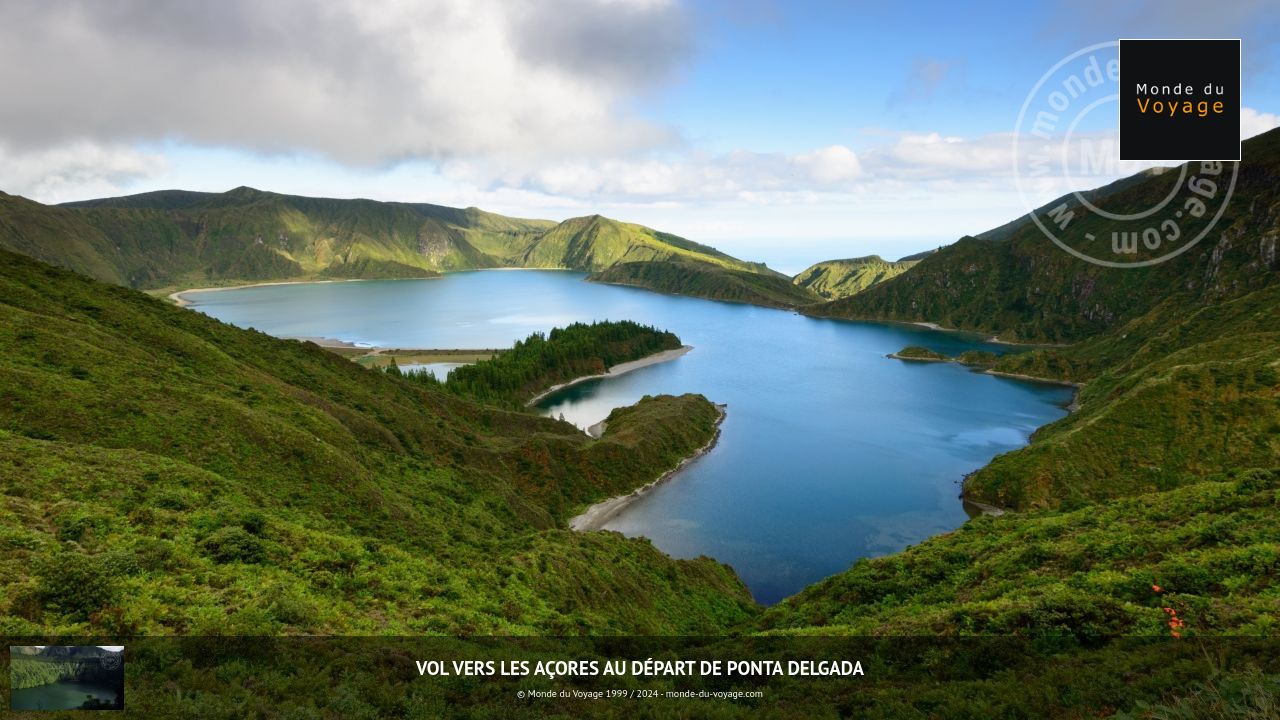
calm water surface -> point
(59, 696)
(830, 451)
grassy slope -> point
(178, 238)
(126, 246)
(916, 352)
(595, 243)
(1212, 547)
(1072, 626)
(1172, 397)
(1025, 288)
(1179, 360)
(705, 280)
(197, 478)
(217, 480)
(832, 279)
(1166, 475)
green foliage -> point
(210, 480)
(596, 243)
(1181, 395)
(1014, 283)
(708, 280)
(1179, 359)
(184, 239)
(978, 358)
(832, 279)
(916, 352)
(233, 544)
(1250, 695)
(174, 447)
(30, 672)
(540, 361)
(74, 584)
(31, 666)
(1085, 575)
(374, 268)
(1164, 477)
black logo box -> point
(1185, 67)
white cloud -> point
(830, 165)
(692, 177)
(76, 170)
(360, 82)
(932, 156)
(1253, 122)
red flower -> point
(1155, 588)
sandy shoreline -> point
(177, 297)
(594, 517)
(180, 301)
(616, 370)
(990, 338)
(1033, 378)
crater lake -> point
(829, 452)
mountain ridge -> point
(833, 279)
(179, 238)
(1012, 281)
(153, 453)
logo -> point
(1180, 99)
(1065, 146)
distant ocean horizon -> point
(793, 257)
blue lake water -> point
(830, 451)
(59, 696)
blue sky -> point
(788, 77)
(782, 131)
(803, 74)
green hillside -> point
(545, 360)
(595, 243)
(1167, 475)
(1146, 513)
(1168, 399)
(706, 280)
(1025, 288)
(1209, 546)
(1138, 605)
(917, 256)
(832, 279)
(1181, 361)
(918, 353)
(1174, 396)
(178, 238)
(165, 473)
